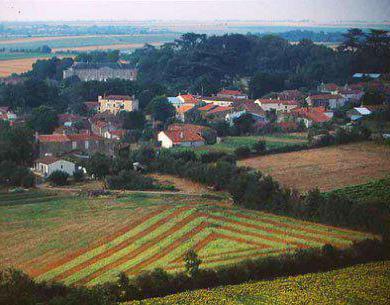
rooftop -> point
(47, 160)
(185, 135)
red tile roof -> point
(207, 107)
(67, 117)
(193, 127)
(220, 109)
(119, 132)
(184, 108)
(325, 96)
(84, 137)
(230, 92)
(317, 117)
(188, 98)
(179, 136)
(331, 87)
(283, 102)
(47, 160)
(53, 138)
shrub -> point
(242, 151)
(78, 175)
(58, 178)
(260, 146)
(130, 180)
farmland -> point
(326, 168)
(79, 240)
(361, 284)
(229, 144)
(87, 41)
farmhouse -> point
(187, 135)
(116, 103)
(331, 101)
(175, 101)
(310, 116)
(181, 111)
(101, 71)
(188, 99)
(277, 105)
(45, 166)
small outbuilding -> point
(47, 165)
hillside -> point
(361, 284)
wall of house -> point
(101, 74)
(61, 165)
(165, 141)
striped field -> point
(159, 239)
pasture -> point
(86, 241)
(327, 168)
(229, 144)
(360, 284)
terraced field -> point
(361, 284)
(89, 241)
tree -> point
(244, 123)
(373, 97)
(43, 119)
(192, 262)
(161, 109)
(78, 175)
(263, 83)
(352, 39)
(132, 120)
(260, 146)
(58, 178)
(98, 165)
(16, 144)
(45, 49)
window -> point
(74, 144)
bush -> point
(242, 152)
(13, 175)
(260, 146)
(58, 178)
(78, 175)
(130, 180)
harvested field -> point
(128, 46)
(327, 168)
(7, 67)
(89, 241)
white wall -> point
(61, 165)
(165, 141)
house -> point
(186, 135)
(101, 71)
(286, 95)
(6, 114)
(181, 111)
(312, 115)
(351, 95)
(67, 119)
(328, 88)
(45, 166)
(331, 101)
(115, 103)
(367, 75)
(115, 134)
(175, 101)
(188, 99)
(204, 109)
(59, 144)
(218, 101)
(357, 113)
(277, 105)
(232, 94)
(243, 107)
(219, 111)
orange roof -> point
(207, 107)
(331, 87)
(188, 98)
(184, 108)
(178, 136)
(317, 117)
(53, 138)
(84, 137)
(220, 109)
(119, 132)
(47, 160)
(193, 127)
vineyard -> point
(159, 239)
(362, 284)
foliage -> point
(12, 174)
(58, 178)
(373, 97)
(131, 180)
(78, 175)
(192, 262)
(98, 165)
(161, 109)
(98, 56)
(242, 152)
(260, 146)
(132, 120)
(43, 119)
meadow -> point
(326, 168)
(360, 284)
(80, 240)
(229, 144)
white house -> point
(233, 94)
(331, 101)
(47, 165)
(184, 137)
(219, 101)
(278, 105)
(175, 101)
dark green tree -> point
(161, 109)
(192, 262)
(98, 165)
(43, 119)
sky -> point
(315, 10)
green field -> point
(81, 240)
(60, 42)
(9, 56)
(376, 190)
(359, 285)
(229, 144)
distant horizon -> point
(316, 11)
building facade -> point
(115, 103)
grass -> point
(21, 55)
(229, 144)
(375, 190)
(89, 241)
(360, 284)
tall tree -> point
(161, 109)
(43, 119)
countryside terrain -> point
(360, 284)
(79, 240)
(326, 168)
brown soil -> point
(326, 168)
(7, 67)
